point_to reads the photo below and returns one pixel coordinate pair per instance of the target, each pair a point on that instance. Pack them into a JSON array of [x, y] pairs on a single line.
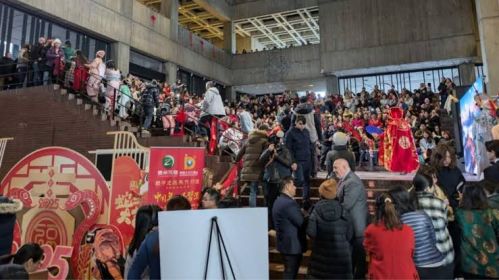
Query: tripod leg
[[220, 251], [208, 253], [221, 239]]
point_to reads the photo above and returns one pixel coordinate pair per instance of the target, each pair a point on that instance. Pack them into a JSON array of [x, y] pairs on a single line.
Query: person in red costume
[[397, 151]]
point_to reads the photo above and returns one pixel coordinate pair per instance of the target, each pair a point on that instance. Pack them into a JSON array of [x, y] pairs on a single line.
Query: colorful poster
[[64, 196], [125, 198], [175, 171]]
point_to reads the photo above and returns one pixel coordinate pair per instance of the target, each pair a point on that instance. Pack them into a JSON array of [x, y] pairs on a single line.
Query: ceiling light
[[310, 85]]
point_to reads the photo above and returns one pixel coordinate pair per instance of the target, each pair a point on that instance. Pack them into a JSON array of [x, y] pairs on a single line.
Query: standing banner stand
[[214, 244]]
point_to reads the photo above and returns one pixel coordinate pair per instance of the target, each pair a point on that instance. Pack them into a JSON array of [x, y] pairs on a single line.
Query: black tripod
[[220, 242]]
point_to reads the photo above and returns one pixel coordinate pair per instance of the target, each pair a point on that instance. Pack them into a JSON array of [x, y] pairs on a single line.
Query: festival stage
[[393, 176]]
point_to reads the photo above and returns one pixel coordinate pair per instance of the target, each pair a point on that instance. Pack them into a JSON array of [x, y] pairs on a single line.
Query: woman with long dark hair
[[450, 179], [389, 243], [427, 258], [147, 256], [479, 227], [145, 220]]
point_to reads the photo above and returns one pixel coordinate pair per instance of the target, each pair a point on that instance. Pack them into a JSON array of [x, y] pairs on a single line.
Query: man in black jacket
[[289, 220], [298, 142], [149, 100], [491, 173], [38, 59]]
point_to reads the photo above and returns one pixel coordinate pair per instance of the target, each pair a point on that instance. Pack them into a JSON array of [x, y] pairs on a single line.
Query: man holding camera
[[277, 161]]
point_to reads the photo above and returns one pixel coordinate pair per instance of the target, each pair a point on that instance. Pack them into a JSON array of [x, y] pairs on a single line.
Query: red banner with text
[[125, 198], [175, 171]]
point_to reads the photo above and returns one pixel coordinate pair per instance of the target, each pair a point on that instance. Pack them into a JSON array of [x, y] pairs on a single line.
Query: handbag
[[102, 93]]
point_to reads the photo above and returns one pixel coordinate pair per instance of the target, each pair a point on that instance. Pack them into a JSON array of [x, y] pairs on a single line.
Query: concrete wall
[[277, 65], [488, 22], [220, 9], [265, 7], [128, 22], [359, 34]]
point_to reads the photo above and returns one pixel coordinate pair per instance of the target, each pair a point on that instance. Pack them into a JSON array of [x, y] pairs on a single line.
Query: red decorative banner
[[125, 199], [175, 171], [64, 196]]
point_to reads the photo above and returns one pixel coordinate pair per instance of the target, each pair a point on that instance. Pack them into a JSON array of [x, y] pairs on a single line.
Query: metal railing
[[114, 107]]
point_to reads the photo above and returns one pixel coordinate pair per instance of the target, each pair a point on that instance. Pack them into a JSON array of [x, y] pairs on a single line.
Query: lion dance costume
[[397, 150]]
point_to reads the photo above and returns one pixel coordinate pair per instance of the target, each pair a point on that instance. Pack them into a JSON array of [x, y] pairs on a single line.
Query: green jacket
[[479, 241], [68, 53]]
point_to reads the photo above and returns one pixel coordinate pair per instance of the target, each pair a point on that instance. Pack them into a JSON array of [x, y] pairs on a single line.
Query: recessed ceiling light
[[310, 85]]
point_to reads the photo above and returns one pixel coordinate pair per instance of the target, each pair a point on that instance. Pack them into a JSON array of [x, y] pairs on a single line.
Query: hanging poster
[[175, 171]]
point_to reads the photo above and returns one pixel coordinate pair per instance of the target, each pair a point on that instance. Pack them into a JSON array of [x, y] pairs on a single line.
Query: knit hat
[[328, 189], [340, 139]]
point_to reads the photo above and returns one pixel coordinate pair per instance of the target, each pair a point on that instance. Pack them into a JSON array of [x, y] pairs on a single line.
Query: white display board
[[184, 236]]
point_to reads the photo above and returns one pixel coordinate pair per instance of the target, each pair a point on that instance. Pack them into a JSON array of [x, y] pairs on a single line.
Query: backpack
[[147, 98]]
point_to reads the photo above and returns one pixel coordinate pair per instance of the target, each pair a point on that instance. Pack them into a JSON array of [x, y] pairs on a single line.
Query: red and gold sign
[[64, 196], [125, 199], [175, 171]]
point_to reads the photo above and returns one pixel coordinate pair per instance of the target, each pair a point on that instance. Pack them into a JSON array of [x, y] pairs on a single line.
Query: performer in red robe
[[397, 151]]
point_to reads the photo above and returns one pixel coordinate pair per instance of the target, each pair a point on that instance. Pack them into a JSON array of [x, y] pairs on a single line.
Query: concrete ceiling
[[296, 27], [279, 30], [277, 87]]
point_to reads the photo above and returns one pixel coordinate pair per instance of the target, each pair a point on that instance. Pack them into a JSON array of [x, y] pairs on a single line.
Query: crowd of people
[[443, 227]]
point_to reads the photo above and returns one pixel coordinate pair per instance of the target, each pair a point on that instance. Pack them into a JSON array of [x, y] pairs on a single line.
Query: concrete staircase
[[373, 188]]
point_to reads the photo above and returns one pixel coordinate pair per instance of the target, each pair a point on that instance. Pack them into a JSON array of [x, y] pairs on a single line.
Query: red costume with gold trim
[[397, 151]]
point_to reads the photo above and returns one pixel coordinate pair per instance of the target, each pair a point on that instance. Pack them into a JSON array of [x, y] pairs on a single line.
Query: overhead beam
[[201, 22], [219, 9], [309, 25], [268, 34], [287, 30]]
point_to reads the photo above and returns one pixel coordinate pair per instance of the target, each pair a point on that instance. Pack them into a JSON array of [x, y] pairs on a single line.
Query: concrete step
[[145, 134], [114, 122], [276, 270]]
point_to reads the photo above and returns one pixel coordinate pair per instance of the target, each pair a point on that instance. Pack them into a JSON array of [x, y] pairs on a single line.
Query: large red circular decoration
[[47, 228], [54, 180]]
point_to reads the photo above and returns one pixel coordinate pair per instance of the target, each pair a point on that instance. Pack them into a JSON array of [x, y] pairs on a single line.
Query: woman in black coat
[[331, 232]]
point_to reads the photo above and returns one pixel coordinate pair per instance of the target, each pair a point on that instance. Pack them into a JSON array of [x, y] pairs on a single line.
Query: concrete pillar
[[127, 8], [169, 9], [171, 72], [230, 94], [229, 37], [467, 73], [120, 53], [488, 24], [332, 84]]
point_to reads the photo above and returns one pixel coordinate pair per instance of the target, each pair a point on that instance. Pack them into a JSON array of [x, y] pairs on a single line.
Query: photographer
[[277, 160]]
